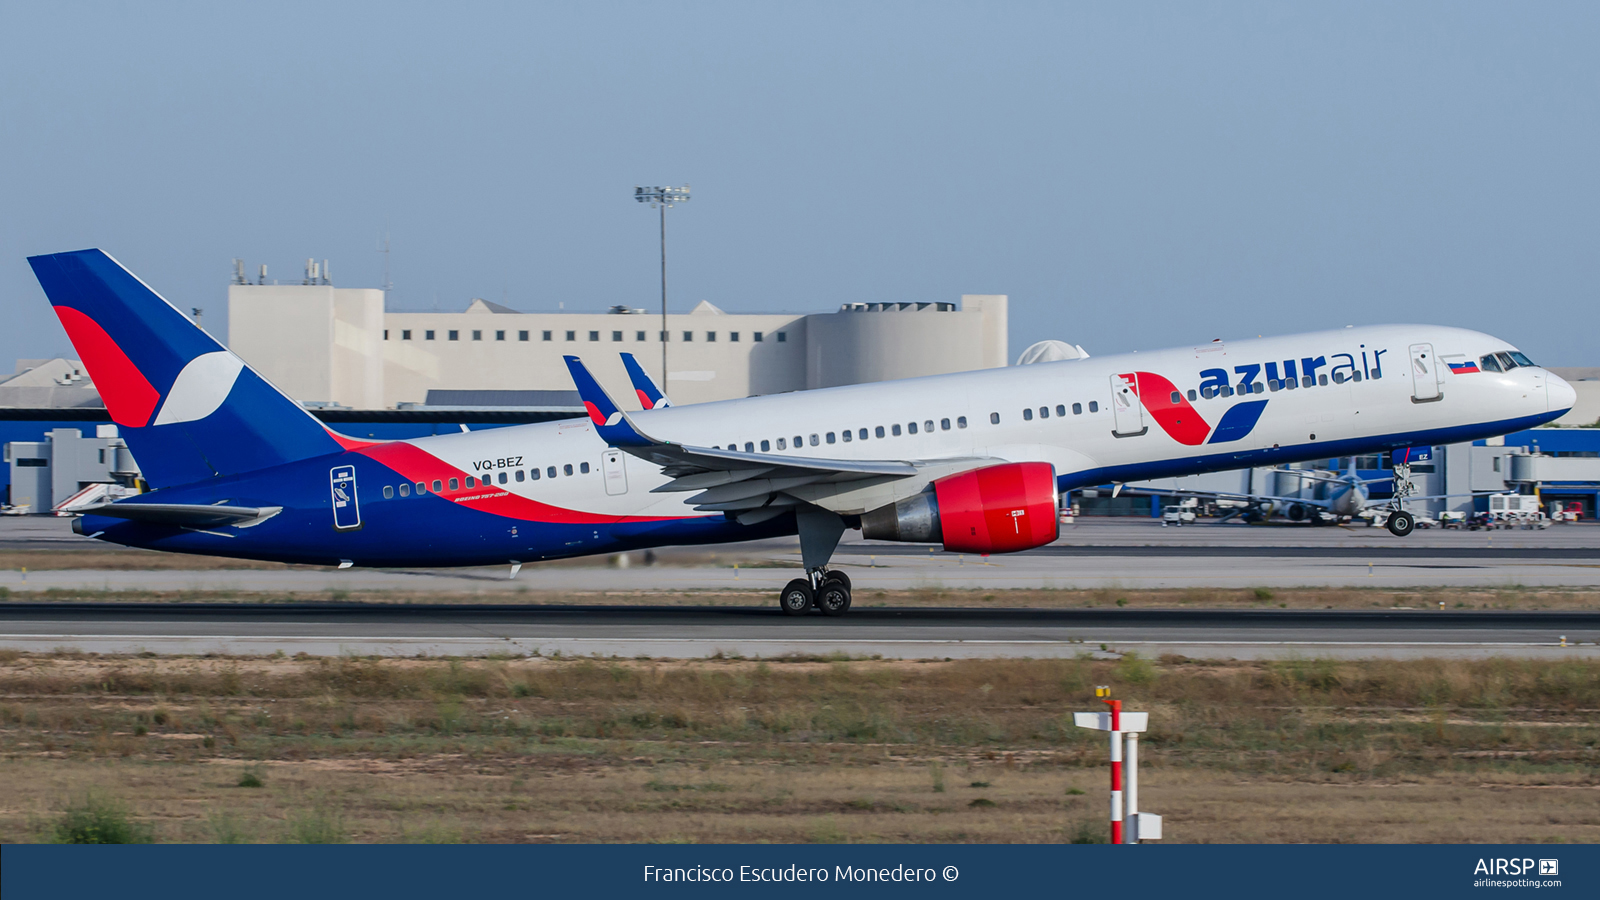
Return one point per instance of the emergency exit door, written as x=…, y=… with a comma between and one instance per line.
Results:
x=615, y=472
x=1426, y=380
x=1126, y=412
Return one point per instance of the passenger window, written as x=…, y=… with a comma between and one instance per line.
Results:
x=566, y=469
x=550, y=471
x=749, y=447
x=1061, y=409
x=437, y=485
x=1489, y=363
x=1077, y=409
x=781, y=445
x=1044, y=412
x=1308, y=382
x=814, y=440
x=830, y=436
x=994, y=418
x=520, y=476
x=533, y=474
x=894, y=430
x=583, y=468
x=388, y=492
x=502, y=478
x=471, y=482
x=912, y=428
x=1027, y=415
x=1273, y=385
x=928, y=426
x=863, y=434
x=1094, y=406
x=798, y=442
x=944, y=424
x=1257, y=388
x=848, y=435
x=1339, y=378
x=1176, y=398
x=766, y=446
x=878, y=431
x=455, y=484
x=961, y=421
x=1227, y=390
x=405, y=489
x=1192, y=395
x=1322, y=380
x=421, y=488
x=1356, y=377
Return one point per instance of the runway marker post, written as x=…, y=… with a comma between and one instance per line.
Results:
x=1124, y=729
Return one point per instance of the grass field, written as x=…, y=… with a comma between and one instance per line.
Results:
x=275, y=749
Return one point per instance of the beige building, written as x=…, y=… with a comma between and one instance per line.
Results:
x=322, y=344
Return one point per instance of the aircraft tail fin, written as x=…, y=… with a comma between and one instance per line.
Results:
x=650, y=396
x=188, y=408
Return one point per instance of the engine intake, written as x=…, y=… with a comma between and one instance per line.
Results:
x=995, y=509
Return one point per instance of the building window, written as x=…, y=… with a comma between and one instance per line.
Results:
x=477, y=335
x=583, y=468
x=546, y=336
x=522, y=335
x=638, y=335
x=733, y=336
x=711, y=337
x=454, y=335
x=616, y=335
x=572, y=335
x=663, y=338
x=499, y=335
x=783, y=336
x=594, y=335
x=386, y=334
x=894, y=430
x=755, y=336
x=688, y=336
x=405, y=335
x=427, y=335
x=961, y=421
x=994, y=418
x=405, y=489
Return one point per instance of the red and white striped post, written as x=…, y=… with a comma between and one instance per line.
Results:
x=1145, y=826
x=1116, y=762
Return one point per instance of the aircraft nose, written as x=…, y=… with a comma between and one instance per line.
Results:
x=1562, y=395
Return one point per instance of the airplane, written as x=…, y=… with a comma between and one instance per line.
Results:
x=974, y=461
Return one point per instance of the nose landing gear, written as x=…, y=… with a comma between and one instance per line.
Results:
x=1401, y=523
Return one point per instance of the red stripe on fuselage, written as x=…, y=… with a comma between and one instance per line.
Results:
x=417, y=465
x=129, y=396
x=1180, y=420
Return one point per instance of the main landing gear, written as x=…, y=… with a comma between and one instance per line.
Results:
x=827, y=591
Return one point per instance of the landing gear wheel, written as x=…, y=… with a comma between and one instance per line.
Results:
x=840, y=577
x=796, y=598
x=834, y=597
x=1401, y=523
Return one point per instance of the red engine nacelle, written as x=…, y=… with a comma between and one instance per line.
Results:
x=996, y=509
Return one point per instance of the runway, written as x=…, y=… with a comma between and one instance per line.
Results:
x=690, y=632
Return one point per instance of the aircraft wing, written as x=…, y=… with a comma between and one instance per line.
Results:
x=758, y=486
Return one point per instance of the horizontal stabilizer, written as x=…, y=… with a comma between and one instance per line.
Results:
x=194, y=515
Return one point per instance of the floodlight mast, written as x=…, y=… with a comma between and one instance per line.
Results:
x=662, y=198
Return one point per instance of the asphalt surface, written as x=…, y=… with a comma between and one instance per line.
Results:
x=761, y=631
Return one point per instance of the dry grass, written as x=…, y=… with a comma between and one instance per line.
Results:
x=1454, y=598
x=733, y=750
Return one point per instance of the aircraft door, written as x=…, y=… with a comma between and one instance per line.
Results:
x=346, y=506
x=1127, y=414
x=615, y=472
x=1425, y=378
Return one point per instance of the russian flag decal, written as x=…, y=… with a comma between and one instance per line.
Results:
x=1463, y=368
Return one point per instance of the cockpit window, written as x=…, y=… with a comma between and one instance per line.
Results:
x=1522, y=360
x=1489, y=363
x=1506, y=362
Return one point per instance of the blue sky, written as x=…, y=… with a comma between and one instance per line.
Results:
x=1132, y=175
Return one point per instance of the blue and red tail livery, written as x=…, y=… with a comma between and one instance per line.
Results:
x=650, y=396
x=188, y=408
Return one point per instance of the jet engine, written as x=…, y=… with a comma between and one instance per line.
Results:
x=995, y=509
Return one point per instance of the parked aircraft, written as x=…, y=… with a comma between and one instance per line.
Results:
x=974, y=461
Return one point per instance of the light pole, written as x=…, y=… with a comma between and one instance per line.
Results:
x=662, y=198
